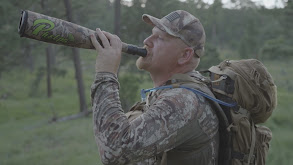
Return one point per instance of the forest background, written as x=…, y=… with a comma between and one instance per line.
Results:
x=45, y=89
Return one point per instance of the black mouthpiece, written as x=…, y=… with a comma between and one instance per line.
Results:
x=134, y=50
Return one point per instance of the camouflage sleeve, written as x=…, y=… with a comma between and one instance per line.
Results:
x=157, y=130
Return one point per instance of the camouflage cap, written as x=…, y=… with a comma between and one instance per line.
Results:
x=181, y=24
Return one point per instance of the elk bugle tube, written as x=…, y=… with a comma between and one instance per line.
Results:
x=53, y=30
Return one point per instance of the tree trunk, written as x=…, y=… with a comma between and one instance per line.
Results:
x=49, y=51
x=78, y=76
x=117, y=17
x=49, y=54
x=30, y=63
x=214, y=34
x=77, y=65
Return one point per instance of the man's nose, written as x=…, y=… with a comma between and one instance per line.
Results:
x=148, y=41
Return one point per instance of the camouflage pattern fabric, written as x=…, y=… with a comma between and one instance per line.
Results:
x=175, y=121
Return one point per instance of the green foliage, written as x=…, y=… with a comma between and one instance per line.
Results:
x=129, y=89
x=278, y=48
x=211, y=57
x=248, y=43
x=131, y=82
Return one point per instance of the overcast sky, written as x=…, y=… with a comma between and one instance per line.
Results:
x=266, y=3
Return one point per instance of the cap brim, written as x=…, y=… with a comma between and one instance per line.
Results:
x=152, y=21
x=158, y=23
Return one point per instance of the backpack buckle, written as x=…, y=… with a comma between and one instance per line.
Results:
x=243, y=157
x=228, y=62
x=242, y=111
x=222, y=77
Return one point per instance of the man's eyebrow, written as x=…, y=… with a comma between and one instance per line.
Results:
x=160, y=32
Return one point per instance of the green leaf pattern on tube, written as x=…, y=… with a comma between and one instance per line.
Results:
x=53, y=30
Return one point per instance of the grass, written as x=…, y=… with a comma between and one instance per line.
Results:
x=281, y=125
x=27, y=137
x=34, y=141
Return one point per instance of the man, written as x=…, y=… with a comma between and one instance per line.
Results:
x=174, y=126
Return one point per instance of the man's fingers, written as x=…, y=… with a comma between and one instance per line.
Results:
x=95, y=42
x=103, y=38
x=114, y=39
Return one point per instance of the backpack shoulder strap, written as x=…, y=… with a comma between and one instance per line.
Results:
x=144, y=91
x=199, y=86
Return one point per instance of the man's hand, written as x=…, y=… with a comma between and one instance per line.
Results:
x=109, y=56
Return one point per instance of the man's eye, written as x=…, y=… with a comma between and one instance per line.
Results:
x=160, y=37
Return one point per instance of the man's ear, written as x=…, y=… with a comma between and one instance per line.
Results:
x=186, y=56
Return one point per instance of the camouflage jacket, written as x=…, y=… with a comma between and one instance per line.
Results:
x=175, y=121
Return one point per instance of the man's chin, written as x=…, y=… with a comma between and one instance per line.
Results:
x=140, y=63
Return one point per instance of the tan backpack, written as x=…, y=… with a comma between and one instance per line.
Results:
x=250, y=85
x=245, y=95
